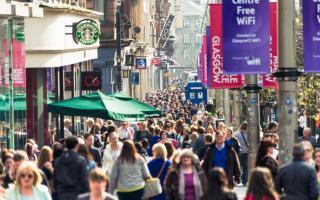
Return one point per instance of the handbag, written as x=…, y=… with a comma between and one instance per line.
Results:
x=153, y=186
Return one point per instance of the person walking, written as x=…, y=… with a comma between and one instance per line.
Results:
x=308, y=156
x=142, y=133
x=232, y=141
x=264, y=157
x=222, y=155
x=159, y=166
x=297, y=180
x=70, y=173
x=98, y=181
x=88, y=141
x=199, y=143
x=84, y=152
x=111, y=152
x=218, y=186
x=307, y=136
x=186, y=181
x=129, y=173
x=242, y=137
x=45, y=165
x=28, y=184
x=261, y=186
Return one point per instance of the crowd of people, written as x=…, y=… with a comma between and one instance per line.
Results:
x=190, y=150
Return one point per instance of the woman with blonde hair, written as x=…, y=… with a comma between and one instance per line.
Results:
x=308, y=156
x=159, y=166
x=28, y=184
x=261, y=186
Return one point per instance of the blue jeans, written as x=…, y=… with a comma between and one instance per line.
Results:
x=135, y=195
x=244, y=167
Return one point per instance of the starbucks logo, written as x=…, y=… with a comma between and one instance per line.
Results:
x=86, y=32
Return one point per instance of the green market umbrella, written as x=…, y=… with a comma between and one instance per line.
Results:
x=116, y=106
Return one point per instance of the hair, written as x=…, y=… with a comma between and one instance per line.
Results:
x=5, y=155
x=244, y=126
x=128, y=153
x=261, y=184
x=208, y=138
x=157, y=130
x=160, y=151
x=84, y=151
x=57, y=150
x=190, y=154
x=217, y=184
x=170, y=148
x=145, y=143
x=67, y=122
x=298, y=151
x=263, y=150
x=20, y=155
x=98, y=175
x=229, y=129
x=210, y=128
x=28, y=165
x=46, y=154
x=272, y=125
x=111, y=128
x=71, y=142
x=201, y=130
x=87, y=135
x=29, y=148
x=317, y=150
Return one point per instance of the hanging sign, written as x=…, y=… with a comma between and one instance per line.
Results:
x=134, y=78
x=165, y=33
x=246, y=37
x=86, y=32
x=219, y=80
x=141, y=62
x=311, y=35
x=91, y=80
x=267, y=79
x=208, y=54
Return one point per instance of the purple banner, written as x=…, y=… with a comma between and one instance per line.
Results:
x=246, y=35
x=208, y=54
x=311, y=35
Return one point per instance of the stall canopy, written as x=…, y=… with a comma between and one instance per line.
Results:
x=116, y=106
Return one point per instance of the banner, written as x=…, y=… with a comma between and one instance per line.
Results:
x=208, y=55
x=268, y=80
x=311, y=35
x=18, y=64
x=246, y=37
x=219, y=80
x=204, y=59
x=165, y=33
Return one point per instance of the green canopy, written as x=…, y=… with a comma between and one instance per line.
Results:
x=116, y=106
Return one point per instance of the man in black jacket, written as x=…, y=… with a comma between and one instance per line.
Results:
x=70, y=173
x=297, y=180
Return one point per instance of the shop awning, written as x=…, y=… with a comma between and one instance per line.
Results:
x=116, y=106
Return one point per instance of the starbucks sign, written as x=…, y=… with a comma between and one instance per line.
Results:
x=86, y=32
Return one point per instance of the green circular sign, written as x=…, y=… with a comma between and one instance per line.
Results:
x=86, y=32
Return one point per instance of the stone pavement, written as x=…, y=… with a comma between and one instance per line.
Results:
x=241, y=192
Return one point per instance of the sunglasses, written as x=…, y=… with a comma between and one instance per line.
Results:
x=29, y=176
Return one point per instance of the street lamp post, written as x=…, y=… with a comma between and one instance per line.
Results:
x=287, y=76
x=118, y=39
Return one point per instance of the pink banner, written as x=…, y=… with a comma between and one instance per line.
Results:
x=268, y=80
x=220, y=80
x=18, y=63
x=204, y=64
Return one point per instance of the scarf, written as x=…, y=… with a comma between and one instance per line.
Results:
x=196, y=183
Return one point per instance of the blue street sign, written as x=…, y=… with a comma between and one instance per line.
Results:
x=141, y=62
x=134, y=78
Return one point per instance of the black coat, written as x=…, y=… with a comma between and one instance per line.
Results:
x=297, y=181
x=70, y=176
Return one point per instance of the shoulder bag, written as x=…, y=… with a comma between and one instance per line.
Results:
x=153, y=186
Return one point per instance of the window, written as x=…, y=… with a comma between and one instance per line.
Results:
x=186, y=38
x=186, y=55
x=186, y=22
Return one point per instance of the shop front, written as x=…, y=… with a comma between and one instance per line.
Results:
x=67, y=42
x=13, y=71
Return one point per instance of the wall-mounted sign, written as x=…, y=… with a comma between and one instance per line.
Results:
x=156, y=61
x=141, y=62
x=86, y=32
x=91, y=80
x=165, y=33
x=20, y=34
x=129, y=60
x=125, y=74
x=134, y=78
